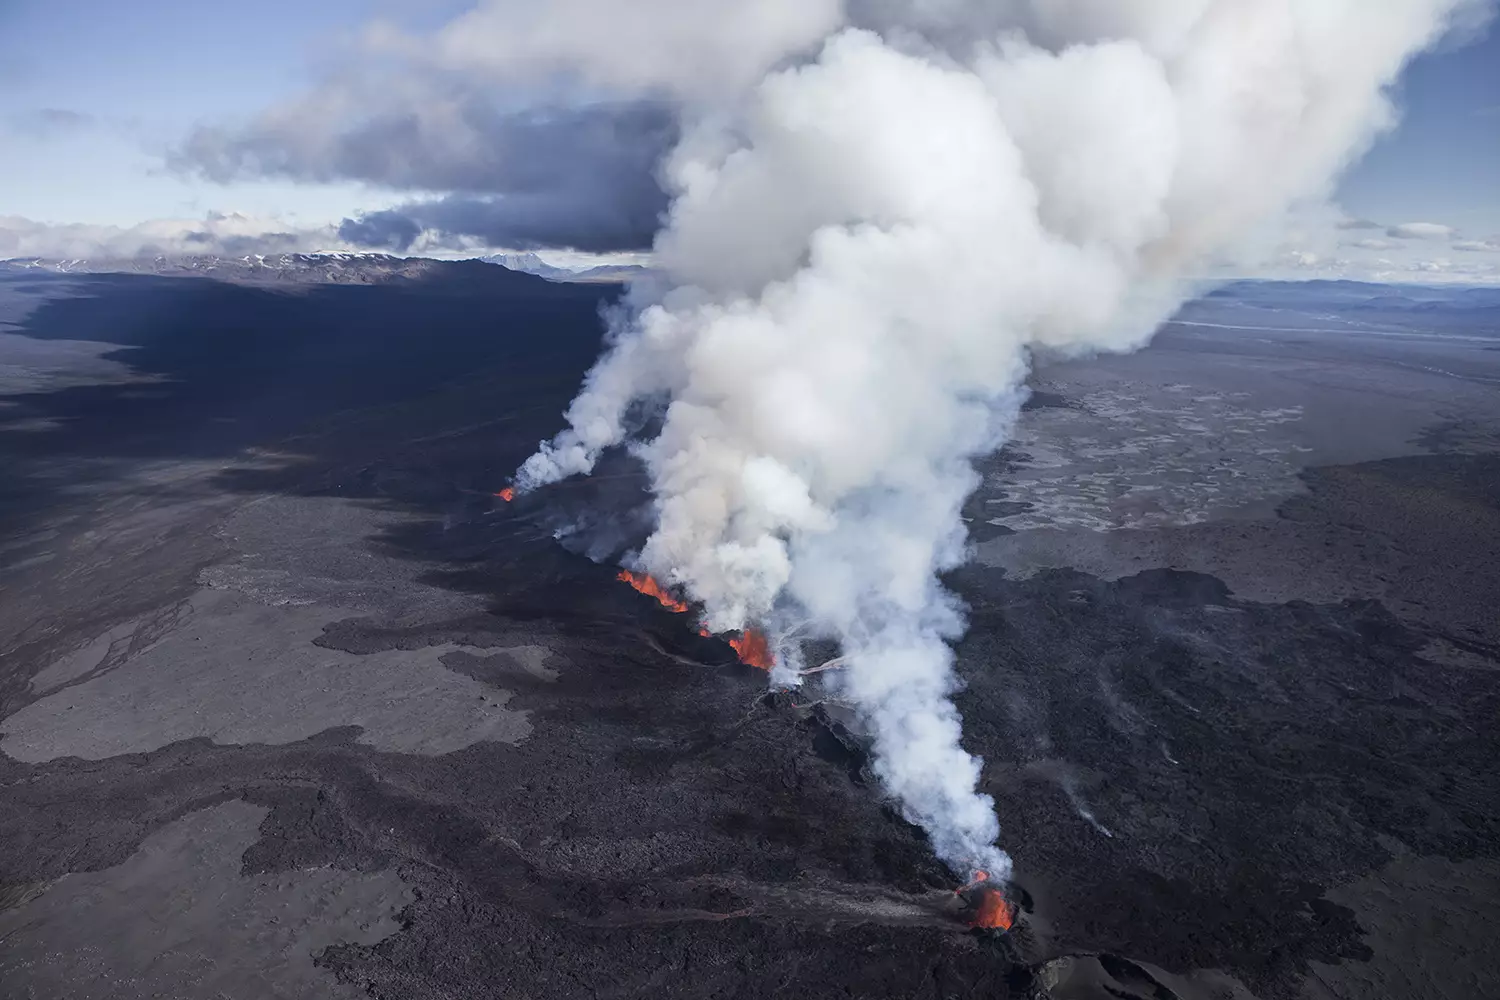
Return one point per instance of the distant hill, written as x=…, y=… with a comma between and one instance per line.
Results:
x=282, y=269
x=530, y=263
x=610, y=273
x=1354, y=305
x=1345, y=294
x=326, y=268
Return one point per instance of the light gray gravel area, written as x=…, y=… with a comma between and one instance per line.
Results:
x=292, y=550
x=1189, y=432
x=28, y=365
x=236, y=671
x=177, y=918
x=1187, y=457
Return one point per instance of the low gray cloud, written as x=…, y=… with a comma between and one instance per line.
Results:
x=1359, y=224
x=605, y=219
x=1420, y=231
x=1477, y=246
x=227, y=234
x=580, y=177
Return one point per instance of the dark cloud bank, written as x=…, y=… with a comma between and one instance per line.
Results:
x=581, y=177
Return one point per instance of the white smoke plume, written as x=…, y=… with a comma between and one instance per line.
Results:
x=863, y=250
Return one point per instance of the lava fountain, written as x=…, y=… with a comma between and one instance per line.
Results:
x=754, y=649
x=989, y=908
x=647, y=585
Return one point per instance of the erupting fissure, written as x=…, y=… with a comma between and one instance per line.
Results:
x=508, y=494
x=873, y=228
x=754, y=649
x=751, y=645
x=647, y=585
x=990, y=908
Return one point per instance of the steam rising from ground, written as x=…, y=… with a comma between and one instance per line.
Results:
x=865, y=247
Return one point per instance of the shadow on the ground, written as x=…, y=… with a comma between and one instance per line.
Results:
x=221, y=367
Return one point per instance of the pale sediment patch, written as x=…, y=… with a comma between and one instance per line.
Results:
x=239, y=672
x=177, y=918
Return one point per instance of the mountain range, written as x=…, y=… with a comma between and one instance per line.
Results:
x=321, y=268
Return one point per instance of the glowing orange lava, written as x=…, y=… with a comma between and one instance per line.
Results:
x=754, y=649
x=508, y=494
x=992, y=910
x=979, y=876
x=648, y=586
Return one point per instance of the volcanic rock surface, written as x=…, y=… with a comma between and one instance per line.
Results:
x=291, y=703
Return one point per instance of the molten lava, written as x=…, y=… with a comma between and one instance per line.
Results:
x=991, y=910
x=648, y=586
x=989, y=906
x=754, y=649
x=508, y=494
x=979, y=876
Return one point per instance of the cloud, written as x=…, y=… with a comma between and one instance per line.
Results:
x=230, y=234
x=1373, y=244
x=1420, y=231
x=600, y=220
x=1477, y=246
x=46, y=123
x=693, y=52
x=1469, y=23
x=1358, y=224
x=517, y=123
x=580, y=177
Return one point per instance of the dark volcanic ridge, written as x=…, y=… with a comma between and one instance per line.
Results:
x=323, y=268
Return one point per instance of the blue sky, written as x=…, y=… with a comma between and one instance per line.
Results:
x=1443, y=163
x=140, y=75
x=93, y=93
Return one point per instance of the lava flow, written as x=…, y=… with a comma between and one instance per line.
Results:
x=992, y=910
x=508, y=494
x=648, y=586
x=989, y=906
x=754, y=650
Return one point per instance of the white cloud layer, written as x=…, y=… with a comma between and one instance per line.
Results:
x=1420, y=231
x=216, y=233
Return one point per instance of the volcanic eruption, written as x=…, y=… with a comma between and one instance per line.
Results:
x=988, y=907
x=647, y=585
x=877, y=218
x=754, y=649
x=751, y=645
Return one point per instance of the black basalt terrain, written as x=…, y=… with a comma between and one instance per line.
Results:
x=285, y=681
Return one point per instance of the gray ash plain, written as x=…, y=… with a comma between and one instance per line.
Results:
x=291, y=705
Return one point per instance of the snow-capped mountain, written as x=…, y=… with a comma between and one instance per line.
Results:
x=287, y=268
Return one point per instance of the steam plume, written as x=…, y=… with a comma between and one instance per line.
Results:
x=862, y=252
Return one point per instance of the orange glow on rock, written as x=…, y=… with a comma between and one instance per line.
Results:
x=508, y=494
x=992, y=910
x=648, y=586
x=979, y=876
x=754, y=650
